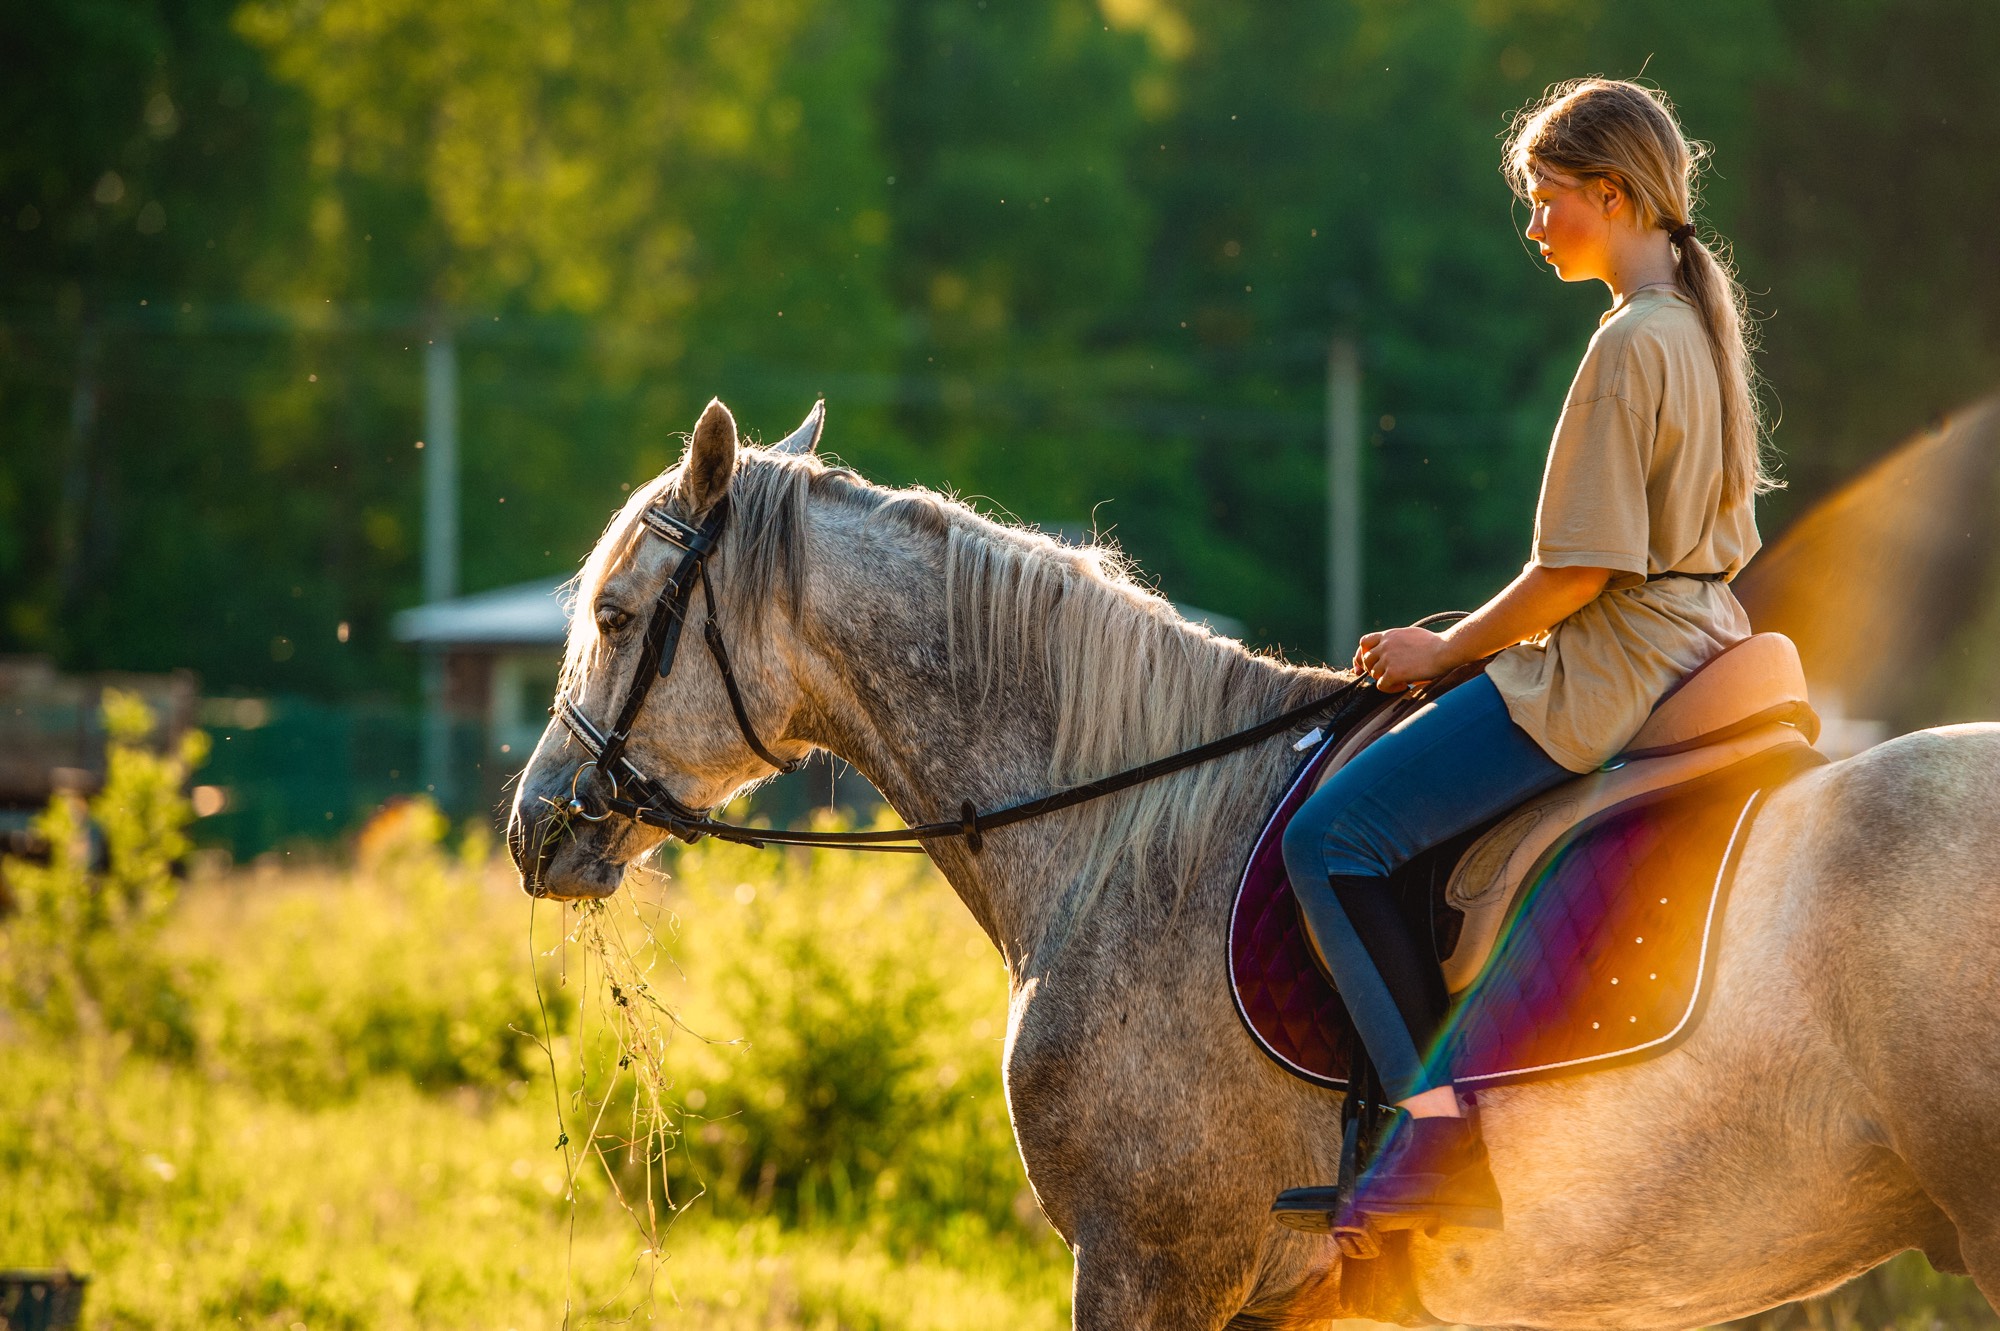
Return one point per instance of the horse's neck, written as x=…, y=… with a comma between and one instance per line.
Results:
x=884, y=699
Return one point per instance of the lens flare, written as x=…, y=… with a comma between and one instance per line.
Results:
x=1891, y=586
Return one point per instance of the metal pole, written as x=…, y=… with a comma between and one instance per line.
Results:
x=440, y=544
x=440, y=466
x=1343, y=498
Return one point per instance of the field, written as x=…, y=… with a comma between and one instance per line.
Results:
x=360, y=1092
x=348, y=1132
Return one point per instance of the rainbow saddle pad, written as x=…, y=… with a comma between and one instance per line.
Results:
x=1605, y=956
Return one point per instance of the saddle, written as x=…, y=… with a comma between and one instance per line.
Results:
x=1576, y=931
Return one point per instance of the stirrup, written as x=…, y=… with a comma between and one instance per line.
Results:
x=1309, y=1210
x=1314, y=1210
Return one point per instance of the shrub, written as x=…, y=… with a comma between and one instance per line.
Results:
x=855, y=1016
x=79, y=955
x=415, y=964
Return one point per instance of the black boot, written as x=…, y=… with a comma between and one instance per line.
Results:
x=1432, y=1175
x=1400, y=984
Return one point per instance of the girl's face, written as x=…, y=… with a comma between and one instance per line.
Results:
x=1571, y=224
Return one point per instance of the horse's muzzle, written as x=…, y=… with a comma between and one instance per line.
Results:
x=528, y=843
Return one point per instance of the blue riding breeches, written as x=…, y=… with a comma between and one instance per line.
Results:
x=1447, y=767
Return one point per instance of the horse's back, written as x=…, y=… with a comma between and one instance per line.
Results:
x=1894, y=874
x=1895, y=891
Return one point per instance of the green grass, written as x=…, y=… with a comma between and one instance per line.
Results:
x=194, y=1203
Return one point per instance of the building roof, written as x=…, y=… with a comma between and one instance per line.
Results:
x=528, y=614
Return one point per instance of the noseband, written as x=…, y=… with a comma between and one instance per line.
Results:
x=632, y=791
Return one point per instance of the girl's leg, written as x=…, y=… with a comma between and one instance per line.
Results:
x=1448, y=767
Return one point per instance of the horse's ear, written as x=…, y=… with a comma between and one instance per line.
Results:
x=710, y=459
x=806, y=438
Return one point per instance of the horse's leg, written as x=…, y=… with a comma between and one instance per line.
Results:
x=1123, y=1286
x=1901, y=955
x=1167, y=1233
x=1156, y=1136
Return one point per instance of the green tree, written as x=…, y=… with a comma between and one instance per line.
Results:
x=1080, y=258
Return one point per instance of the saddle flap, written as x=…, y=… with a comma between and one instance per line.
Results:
x=1756, y=682
x=1492, y=871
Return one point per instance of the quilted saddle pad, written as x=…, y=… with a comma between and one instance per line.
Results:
x=1605, y=958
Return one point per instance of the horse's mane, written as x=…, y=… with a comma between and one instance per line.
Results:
x=1124, y=676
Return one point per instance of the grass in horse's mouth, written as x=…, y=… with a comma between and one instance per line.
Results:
x=623, y=1088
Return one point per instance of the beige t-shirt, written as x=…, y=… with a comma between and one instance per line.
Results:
x=1633, y=484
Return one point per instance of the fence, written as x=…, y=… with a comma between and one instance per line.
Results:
x=294, y=769
x=288, y=771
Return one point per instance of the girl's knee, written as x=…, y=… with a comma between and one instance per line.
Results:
x=1303, y=848
x=1333, y=835
x=1322, y=838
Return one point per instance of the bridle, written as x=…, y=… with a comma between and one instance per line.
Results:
x=643, y=799
x=656, y=660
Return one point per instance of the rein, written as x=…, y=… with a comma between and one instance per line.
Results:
x=971, y=823
x=651, y=803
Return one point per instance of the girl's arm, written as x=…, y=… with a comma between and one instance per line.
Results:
x=1533, y=603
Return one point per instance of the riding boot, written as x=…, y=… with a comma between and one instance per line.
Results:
x=1432, y=1175
x=1389, y=980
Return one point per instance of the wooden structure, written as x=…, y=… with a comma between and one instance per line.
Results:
x=52, y=724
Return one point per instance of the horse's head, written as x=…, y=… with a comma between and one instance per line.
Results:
x=644, y=694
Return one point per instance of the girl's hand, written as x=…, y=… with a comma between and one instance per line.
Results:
x=1398, y=659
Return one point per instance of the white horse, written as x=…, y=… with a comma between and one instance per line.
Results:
x=1839, y=1102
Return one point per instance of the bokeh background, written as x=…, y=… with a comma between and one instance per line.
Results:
x=1082, y=260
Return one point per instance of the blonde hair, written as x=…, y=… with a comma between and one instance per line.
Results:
x=1608, y=129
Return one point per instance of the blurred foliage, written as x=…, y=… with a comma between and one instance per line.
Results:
x=409, y=966
x=1080, y=258
x=194, y=1204
x=79, y=948
x=849, y=1076
x=359, y=1080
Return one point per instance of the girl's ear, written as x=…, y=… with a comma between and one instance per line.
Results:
x=1610, y=195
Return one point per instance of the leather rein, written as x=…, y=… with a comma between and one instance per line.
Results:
x=639, y=797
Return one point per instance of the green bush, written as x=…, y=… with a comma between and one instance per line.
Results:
x=79, y=954
x=413, y=964
x=854, y=1016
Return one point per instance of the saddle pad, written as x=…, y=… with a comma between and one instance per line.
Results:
x=1291, y=1011
x=1604, y=960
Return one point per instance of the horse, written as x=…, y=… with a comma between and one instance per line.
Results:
x=1838, y=1103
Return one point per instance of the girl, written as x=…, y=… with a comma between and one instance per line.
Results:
x=1645, y=516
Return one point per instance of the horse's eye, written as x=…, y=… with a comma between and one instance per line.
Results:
x=610, y=618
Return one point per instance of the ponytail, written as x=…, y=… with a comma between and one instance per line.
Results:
x=1709, y=282
x=1591, y=128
